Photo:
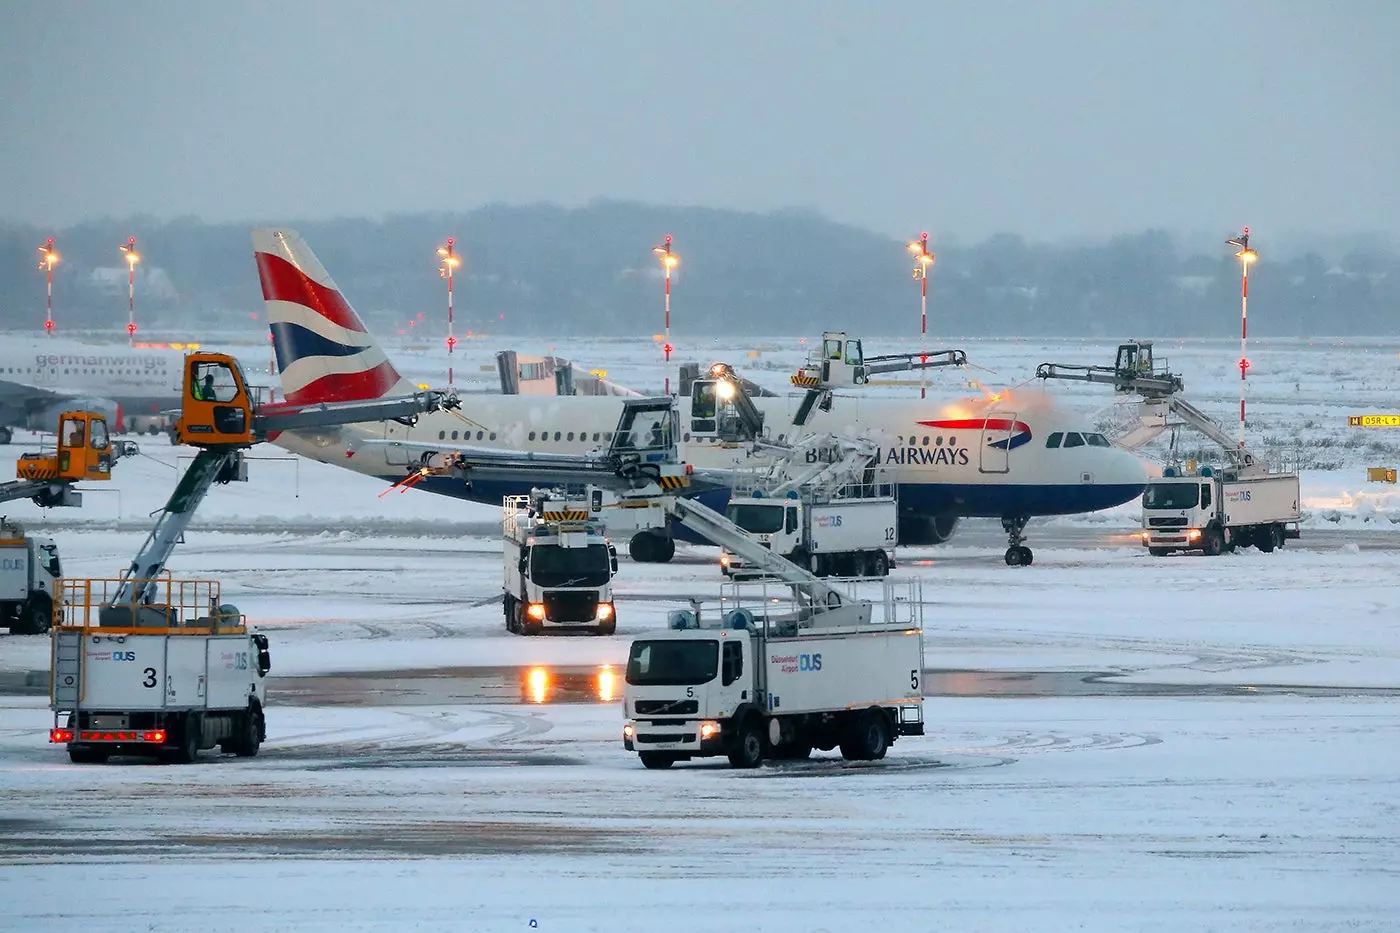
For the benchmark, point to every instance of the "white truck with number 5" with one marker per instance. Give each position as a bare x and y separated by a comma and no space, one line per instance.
166,679
850,534
751,685
1209,511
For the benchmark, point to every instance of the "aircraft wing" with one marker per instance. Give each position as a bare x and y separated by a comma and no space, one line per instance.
528,467
19,403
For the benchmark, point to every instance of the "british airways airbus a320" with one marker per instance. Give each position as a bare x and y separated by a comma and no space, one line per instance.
1011,457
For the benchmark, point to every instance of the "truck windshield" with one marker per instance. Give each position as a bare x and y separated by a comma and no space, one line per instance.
1171,496
757,519
551,565
658,663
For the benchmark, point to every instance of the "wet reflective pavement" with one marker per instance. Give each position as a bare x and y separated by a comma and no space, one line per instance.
511,685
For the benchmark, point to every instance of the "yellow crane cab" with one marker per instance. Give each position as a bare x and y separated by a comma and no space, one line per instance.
84,451
216,407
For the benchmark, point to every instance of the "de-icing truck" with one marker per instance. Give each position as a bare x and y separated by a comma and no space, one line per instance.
749,685
1215,511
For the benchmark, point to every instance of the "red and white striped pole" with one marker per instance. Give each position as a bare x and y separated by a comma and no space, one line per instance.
922,259
47,257
668,262
1245,256
449,262
132,258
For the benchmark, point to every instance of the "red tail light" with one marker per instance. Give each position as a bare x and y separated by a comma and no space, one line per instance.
60,735
158,736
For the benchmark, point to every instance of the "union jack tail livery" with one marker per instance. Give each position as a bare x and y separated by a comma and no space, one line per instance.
324,353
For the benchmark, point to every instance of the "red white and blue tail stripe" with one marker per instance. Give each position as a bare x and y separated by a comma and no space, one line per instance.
324,353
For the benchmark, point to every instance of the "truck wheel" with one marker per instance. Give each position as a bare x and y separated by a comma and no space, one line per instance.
868,739
512,620
657,761
880,565
6,436
252,729
188,749
609,627
34,618
1269,539
748,750
84,755
1213,543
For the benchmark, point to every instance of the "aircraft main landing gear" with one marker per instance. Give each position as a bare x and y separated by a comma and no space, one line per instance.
1017,554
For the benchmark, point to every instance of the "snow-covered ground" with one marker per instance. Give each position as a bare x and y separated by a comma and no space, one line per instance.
1236,765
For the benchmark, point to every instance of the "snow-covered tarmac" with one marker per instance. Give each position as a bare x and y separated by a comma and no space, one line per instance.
1235,766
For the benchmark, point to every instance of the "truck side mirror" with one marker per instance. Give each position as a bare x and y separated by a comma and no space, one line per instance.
524,562
612,557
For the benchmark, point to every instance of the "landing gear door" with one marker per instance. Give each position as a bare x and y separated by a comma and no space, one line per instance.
994,450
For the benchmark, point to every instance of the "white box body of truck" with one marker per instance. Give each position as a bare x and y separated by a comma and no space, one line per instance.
1213,513
789,686
121,692
29,580
842,537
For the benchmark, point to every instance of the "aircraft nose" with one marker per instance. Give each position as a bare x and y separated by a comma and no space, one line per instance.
1125,469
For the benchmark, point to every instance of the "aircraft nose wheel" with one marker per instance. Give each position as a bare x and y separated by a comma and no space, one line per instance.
1017,554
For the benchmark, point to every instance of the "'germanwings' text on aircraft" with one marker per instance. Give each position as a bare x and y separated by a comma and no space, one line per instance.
39,378
1009,458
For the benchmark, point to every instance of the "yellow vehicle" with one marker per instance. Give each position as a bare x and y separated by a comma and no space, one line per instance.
84,451
216,407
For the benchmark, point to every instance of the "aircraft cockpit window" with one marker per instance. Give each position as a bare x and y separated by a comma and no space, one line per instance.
1097,440
1054,439
1074,439
98,438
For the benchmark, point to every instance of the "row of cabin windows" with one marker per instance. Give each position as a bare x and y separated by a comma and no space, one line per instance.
1076,439
85,371
466,435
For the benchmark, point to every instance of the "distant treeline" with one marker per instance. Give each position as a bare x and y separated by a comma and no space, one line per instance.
556,271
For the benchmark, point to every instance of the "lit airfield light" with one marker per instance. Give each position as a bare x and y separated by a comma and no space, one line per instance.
538,681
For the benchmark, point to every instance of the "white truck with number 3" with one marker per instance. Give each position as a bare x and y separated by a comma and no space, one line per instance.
1210,511
166,680
753,686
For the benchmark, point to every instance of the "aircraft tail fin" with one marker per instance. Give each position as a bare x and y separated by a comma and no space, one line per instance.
324,351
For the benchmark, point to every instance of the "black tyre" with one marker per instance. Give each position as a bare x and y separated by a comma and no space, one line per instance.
6,436
666,549
748,746
86,755
880,564
657,761
34,618
251,730
1213,543
1013,557
1027,556
1270,539
188,749
512,613
642,547
609,627
868,738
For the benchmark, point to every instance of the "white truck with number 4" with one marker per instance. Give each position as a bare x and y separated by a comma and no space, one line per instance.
1210,511
849,534
559,567
752,686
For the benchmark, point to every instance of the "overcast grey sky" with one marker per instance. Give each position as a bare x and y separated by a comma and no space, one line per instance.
1046,119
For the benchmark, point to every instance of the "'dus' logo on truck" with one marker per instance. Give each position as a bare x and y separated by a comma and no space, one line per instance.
828,521
792,663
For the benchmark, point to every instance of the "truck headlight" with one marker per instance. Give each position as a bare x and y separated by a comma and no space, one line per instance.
709,730
724,560
628,731
535,611
1193,534
1144,535
605,611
